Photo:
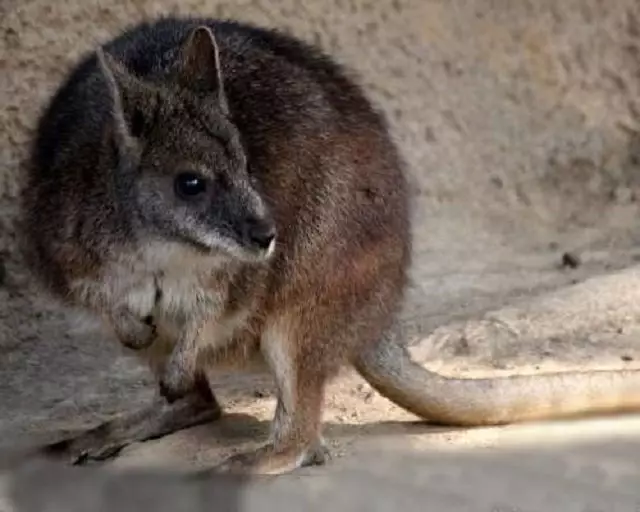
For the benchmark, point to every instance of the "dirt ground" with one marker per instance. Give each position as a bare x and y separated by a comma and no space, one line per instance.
520,122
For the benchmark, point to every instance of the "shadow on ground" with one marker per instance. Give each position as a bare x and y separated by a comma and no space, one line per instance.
585,477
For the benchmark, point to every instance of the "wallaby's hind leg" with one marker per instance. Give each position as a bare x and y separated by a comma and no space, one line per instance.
300,379
160,419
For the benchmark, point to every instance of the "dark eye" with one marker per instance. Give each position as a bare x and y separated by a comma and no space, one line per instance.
189,185
137,123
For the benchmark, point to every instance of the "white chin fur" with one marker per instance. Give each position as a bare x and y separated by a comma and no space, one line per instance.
271,249
234,250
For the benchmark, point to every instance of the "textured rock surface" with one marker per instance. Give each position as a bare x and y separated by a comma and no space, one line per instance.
520,122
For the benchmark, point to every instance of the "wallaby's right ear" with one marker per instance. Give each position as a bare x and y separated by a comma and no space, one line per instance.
199,66
127,93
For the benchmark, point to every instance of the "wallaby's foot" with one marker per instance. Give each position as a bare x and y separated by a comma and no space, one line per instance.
161,419
269,460
133,332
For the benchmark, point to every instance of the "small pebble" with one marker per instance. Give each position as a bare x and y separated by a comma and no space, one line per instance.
571,260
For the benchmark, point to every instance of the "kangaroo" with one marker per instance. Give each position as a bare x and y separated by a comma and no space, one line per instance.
223,194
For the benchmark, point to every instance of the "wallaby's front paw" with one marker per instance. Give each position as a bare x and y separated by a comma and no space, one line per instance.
134,333
176,381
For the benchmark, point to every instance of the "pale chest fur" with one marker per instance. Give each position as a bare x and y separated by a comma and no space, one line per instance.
171,284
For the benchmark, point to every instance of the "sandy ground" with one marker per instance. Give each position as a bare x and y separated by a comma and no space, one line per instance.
521,125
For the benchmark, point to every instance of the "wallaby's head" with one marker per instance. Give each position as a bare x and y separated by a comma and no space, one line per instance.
181,172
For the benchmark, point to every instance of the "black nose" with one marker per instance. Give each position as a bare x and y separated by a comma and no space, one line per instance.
260,233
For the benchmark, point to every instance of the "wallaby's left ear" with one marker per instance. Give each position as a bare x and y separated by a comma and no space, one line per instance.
199,65
127,94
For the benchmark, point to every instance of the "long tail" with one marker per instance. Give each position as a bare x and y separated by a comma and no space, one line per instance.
389,368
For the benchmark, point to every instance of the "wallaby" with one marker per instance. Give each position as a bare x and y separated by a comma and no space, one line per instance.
223,193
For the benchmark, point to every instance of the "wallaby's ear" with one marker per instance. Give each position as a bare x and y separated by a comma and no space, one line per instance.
199,65
126,93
